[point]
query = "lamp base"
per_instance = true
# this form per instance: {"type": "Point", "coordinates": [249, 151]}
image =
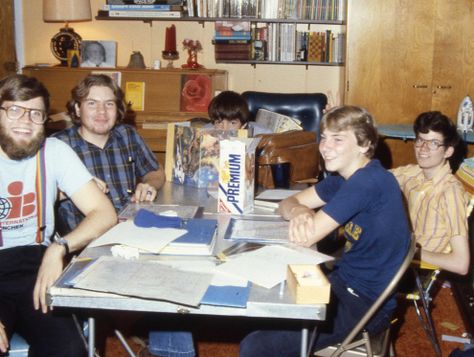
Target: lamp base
{"type": "Point", "coordinates": [66, 39]}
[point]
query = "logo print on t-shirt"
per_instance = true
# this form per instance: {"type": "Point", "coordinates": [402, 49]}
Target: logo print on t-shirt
{"type": "Point", "coordinates": [17, 205]}
{"type": "Point", "coordinates": [5, 207]}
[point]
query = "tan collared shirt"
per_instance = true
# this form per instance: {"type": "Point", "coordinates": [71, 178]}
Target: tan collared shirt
{"type": "Point", "coordinates": [437, 206]}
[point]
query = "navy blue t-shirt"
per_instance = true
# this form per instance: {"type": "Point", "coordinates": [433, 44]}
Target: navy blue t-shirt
{"type": "Point", "coordinates": [369, 205]}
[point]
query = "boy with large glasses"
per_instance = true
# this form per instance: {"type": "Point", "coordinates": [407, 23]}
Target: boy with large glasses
{"type": "Point", "coordinates": [437, 201]}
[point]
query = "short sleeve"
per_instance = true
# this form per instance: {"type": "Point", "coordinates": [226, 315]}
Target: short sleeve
{"type": "Point", "coordinates": [351, 198]}
{"type": "Point", "coordinates": [69, 171]}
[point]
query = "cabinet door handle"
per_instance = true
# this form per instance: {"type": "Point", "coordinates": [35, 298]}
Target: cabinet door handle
{"type": "Point", "coordinates": [444, 87]}
{"type": "Point", "coordinates": [420, 86]}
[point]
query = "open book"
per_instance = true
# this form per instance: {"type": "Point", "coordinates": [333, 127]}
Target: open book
{"type": "Point", "coordinates": [277, 122]}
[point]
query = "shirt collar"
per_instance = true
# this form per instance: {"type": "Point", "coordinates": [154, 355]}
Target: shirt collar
{"type": "Point", "coordinates": [78, 140]}
{"type": "Point", "coordinates": [442, 172]}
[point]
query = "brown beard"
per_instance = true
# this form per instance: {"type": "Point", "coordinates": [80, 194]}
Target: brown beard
{"type": "Point", "coordinates": [16, 151]}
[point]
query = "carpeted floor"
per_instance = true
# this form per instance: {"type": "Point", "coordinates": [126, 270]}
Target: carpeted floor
{"type": "Point", "coordinates": [219, 337]}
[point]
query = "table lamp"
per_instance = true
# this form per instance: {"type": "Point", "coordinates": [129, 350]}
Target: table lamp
{"type": "Point", "coordinates": [66, 11]}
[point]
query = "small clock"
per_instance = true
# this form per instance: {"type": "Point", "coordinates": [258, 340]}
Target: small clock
{"type": "Point", "coordinates": [66, 39]}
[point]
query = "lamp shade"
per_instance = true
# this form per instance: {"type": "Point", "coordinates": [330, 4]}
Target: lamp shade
{"type": "Point", "coordinates": [66, 10]}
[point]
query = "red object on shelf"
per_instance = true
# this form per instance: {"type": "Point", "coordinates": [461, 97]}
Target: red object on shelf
{"type": "Point", "coordinates": [170, 39]}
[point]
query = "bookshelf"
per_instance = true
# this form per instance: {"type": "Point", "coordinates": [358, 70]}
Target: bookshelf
{"type": "Point", "coordinates": [283, 43]}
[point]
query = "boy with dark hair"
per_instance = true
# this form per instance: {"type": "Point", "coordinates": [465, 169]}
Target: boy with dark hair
{"type": "Point", "coordinates": [437, 201]}
{"type": "Point", "coordinates": [229, 111]}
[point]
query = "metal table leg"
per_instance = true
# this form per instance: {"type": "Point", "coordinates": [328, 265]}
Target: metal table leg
{"type": "Point", "coordinates": [91, 337]}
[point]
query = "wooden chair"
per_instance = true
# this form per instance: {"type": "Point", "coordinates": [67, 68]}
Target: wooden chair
{"type": "Point", "coordinates": [372, 346]}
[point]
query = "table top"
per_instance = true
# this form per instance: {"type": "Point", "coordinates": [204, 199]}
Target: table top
{"type": "Point", "coordinates": [405, 132]}
{"type": "Point", "coordinates": [270, 303]}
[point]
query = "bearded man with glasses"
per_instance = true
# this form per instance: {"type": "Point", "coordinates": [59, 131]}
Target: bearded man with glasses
{"type": "Point", "coordinates": [32, 170]}
{"type": "Point", "coordinates": [437, 201]}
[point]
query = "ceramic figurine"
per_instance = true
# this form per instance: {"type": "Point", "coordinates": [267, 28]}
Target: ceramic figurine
{"type": "Point", "coordinates": [465, 115]}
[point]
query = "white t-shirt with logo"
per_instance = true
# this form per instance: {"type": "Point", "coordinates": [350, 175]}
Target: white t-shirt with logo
{"type": "Point", "coordinates": [18, 211]}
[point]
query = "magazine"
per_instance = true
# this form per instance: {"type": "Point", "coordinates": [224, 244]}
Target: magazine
{"type": "Point", "coordinates": [277, 122]}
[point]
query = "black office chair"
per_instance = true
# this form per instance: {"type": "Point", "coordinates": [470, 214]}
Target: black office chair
{"type": "Point", "coordinates": [306, 107]}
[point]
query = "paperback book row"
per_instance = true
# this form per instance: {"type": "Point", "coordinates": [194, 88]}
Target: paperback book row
{"type": "Point", "coordinates": [318, 10]}
{"type": "Point", "coordinates": [235, 41]}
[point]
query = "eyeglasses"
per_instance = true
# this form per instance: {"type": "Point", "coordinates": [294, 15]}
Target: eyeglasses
{"type": "Point", "coordinates": [430, 144]}
{"type": "Point", "coordinates": [16, 112]}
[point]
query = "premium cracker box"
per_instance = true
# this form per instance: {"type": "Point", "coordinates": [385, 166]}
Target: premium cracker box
{"type": "Point", "coordinates": [236, 175]}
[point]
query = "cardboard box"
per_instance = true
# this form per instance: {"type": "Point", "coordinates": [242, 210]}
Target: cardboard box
{"type": "Point", "coordinates": [192, 153]}
{"type": "Point", "coordinates": [236, 175]}
{"type": "Point", "coordinates": [308, 284]}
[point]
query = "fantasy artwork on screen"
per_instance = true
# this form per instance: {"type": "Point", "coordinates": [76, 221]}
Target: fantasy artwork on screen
{"type": "Point", "coordinates": [196, 93]}
{"type": "Point", "coordinates": [195, 154]}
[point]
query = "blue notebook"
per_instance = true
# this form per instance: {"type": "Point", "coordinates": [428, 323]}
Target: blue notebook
{"type": "Point", "coordinates": [234, 296]}
{"type": "Point", "coordinates": [199, 240]}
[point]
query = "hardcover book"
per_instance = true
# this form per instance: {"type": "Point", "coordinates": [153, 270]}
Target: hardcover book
{"type": "Point", "coordinates": [148, 13]}
{"type": "Point", "coordinates": [232, 47]}
{"type": "Point", "coordinates": [219, 56]}
{"type": "Point", "coordinates": [144, 2]}
{"type": "Point", "coordinates": [199, 240]}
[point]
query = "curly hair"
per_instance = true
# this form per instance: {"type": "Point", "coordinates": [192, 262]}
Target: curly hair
{"type": "Point", "coordinates": [80, 92]}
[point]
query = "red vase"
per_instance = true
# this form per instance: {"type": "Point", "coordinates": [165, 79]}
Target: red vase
{"type": "Point", "coordinates": [192, 60]}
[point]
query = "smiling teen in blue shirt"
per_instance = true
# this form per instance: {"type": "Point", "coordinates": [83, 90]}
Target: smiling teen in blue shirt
{"type": "Point", "coordinates": [365, 199]}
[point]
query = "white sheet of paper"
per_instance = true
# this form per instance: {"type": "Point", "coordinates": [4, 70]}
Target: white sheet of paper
{"type": "Point", "coordinates": [276, 194]}
{"type": "Point", "coordinates": [144, 278]}
{"type": "Point", "coordinates": [148, 239]}
{"type": "Point", "coordinates": [267, 266]}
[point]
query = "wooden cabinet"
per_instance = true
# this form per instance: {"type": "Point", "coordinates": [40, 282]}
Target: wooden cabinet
{"type": "Point", "coordinates": [165, 96]}
{"type": "Point", "coordinates": [406, 57]}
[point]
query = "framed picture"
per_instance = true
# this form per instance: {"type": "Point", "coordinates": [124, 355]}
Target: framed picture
{"type": "Point", "coordinates": [195, 93]}
{"type": "Point", "coordinates": [98, 54]}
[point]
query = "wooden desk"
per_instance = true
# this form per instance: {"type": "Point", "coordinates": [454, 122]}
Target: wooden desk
{"type": "Point", "coordinates": [268, 303]}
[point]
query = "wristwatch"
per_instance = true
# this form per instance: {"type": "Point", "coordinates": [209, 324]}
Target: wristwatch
{"type": "Point", "coordinates": [62, 241]}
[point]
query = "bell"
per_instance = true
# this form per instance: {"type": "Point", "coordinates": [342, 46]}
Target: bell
{"type": "Point", "coordinates": [136, 60]}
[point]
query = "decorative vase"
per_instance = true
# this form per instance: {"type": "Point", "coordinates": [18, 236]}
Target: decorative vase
{"type": "Point", "coordinates": [192, 61]}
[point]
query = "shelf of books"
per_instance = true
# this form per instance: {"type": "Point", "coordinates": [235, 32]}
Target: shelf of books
{"type": "Point", "coordinates": [323, 11]}
{"type": "Point", "coordinates": [238, 41]}
{"type": "Point", "coordinates": [252, 31]}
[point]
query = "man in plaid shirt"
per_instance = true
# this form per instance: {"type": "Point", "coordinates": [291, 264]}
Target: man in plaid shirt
{"type": "Point", "coordinates": [122, 165]}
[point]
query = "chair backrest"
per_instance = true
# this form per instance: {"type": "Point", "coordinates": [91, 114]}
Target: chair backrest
{"type": "Point", "coordinates": [307, 107]}
{"type": "Point", "coordinates": [381, 299]}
